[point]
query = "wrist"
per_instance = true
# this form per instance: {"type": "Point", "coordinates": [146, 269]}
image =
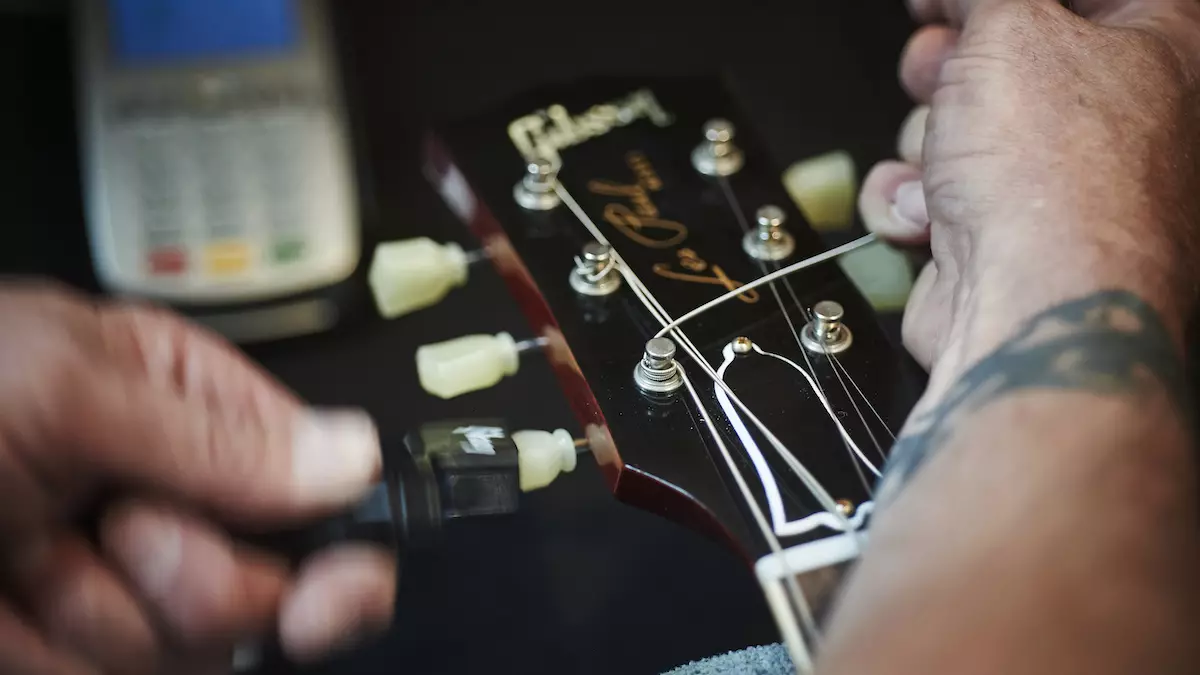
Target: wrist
{"type": "Point", "coordinates": [1066, 330]}
{"type": "Point", "coordinates": [1106, 346]}
{"type": "Point", "coordinates": [1013, 283]}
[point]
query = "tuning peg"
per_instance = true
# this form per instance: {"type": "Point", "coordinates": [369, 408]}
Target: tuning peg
{"type": "Point", "coordinates": [542, 455]}
{"type": "Point", "coordinates": [770, 241]}
{"type": "Point", "coordinates": [412, 274]}
{"type": "Point", "coordinates": [718, 155]}
{"type": "Point", "coordinates": [469, 363]}
{"type": "Point", "coordinates": [535, 191]}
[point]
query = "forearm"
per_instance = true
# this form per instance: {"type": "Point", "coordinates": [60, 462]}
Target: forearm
{"type": "Point", "coordinates": [1040, 514]}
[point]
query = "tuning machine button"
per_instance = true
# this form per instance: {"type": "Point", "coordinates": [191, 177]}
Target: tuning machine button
{"type": "Point", "coordinates": [470, 363]}
{"type": "Point", "coordinates": [535, 191]}
{"type": "Point", "coordinates": [542, 455]}
{"type": "Point", "coordinates": [769, 241]}
{"type": "Point", "coordinates": [595, 271]}
{"type": "Point", "coordinates": [826, 334]}
{"type": "Point", "coordinates": [657, 372]}
{"type": "Point", "coordinates": [717, 155]}
{"type": "Point", "coordinates": [412, 274]}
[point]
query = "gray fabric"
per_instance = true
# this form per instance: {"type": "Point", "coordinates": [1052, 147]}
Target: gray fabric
{"type": "Point", "coordinates": [764, 660]}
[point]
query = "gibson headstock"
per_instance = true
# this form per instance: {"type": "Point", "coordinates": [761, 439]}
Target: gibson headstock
{"type": "Point", "coordinates": [611, 204]}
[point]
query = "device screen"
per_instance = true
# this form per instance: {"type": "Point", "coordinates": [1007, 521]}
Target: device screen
{"type": "Point", "coordinates": [152, 31]}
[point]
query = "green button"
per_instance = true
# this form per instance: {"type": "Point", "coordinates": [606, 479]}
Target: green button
{"type": "Point", "coordinates": [288, 251]}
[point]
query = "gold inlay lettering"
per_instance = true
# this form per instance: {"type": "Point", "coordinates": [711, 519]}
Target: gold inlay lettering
{"type": "Point", "coordinates": [637, 218]}
{"type": "Point", "coordinates": [716, 276]}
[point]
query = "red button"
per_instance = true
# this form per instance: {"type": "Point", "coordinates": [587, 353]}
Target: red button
{"type": "Point", "coordinates": [167, 261]}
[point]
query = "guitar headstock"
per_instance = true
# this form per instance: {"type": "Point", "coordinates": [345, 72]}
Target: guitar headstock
{"type": "Point", "coordinates": [613, 206]}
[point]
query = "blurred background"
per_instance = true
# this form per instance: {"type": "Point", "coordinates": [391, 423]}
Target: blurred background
{"type": "Point", "coordinates": [575, 582]}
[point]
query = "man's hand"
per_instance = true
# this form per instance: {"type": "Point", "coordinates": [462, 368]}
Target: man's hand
{"type": "Point", "coordinates": [95, 399]}
{"type": "Point", "coordinates": [1038, 513]}
{"type": "Point", "coordinates": [1056, 156]}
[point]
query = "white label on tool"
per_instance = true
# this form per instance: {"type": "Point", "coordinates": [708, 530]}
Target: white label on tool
{"type": "Point", "coordinates": [478, 440]}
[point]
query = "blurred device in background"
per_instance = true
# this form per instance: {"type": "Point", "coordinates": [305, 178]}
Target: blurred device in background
{"type": "Point", "coordinates": [218, 173]}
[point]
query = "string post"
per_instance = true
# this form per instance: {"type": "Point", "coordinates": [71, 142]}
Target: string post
{"type": "Point", "coordinates": [717, 155]}
{"type": "Point", "coordinates": [845, 507]}
{"type": "Point", "coordinates": [594, 272]}
{"type": "Point", "coordinates": [658, 372]}
{"type": "Point", "coordinates": [826, 334]}
{"type": "Point", "coordinates": [535, 191]}
{"type": "Point", "coordinates": [770, 240]}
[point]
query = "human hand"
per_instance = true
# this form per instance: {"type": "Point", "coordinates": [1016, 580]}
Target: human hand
{"type": "Point", "coordinates": [99, 398]}
{"type": "Point", "coordinates": [1055, 157]}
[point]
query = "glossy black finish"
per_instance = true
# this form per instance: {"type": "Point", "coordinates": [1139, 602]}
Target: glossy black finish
{"type": "Point", "coordinates": [665, 459]}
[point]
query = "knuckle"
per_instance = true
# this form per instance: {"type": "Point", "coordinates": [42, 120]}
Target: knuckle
{"type": "Point", "coordinates": [68, 608]}
{"type": "Point", "coordinates": [1017, 22]}
{"type": "Point", "coordinates": [62, 389]}
{"type": "Point", "coordinates": [142, 337]}
{"type": "Point", "coordinates": [229, 449]}
{"type": "Point", "coordinates": [1163, 60]}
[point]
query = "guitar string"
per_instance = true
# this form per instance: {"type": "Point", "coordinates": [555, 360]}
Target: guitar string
{"type": "Point", "coordinates": [810, 481]}
{"type": "Point", "coordinates": [781, 272]}
{"type": "Point", "coordinates": [801, 607]}
{"type": "Point", "coordinates": [794, 267]}
{"type": "Point", "coordinates": [828, 407]}
{"type": "Point", "coordinates": [798, 604]}
{"type": "Point", "coordinates": [731, 196]}
{"type": "Point", "coordinates": [808, 317]}
{"type": "Point", "coordinates": [838, 363]}
{"type": "Point", "coordinates": [796, 597]}
{"type": "Point", "coordinates": [736, 207]}
{"type": "Point", "coordinates": [862, 418]}
{"type": "Point", "coordinates": [814, 486]}
{"type": "Point", "coordinates": [783, 527]}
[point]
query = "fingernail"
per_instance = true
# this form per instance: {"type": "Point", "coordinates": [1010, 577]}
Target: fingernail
{"type": "Point", "coordinates": [312, 632]}
{"type": "Point", "coordinates": [335, 455]}
{"type": "Point", "coordinates": [908, 207]}
{"type": "Point", "coordinates": [155, 552]}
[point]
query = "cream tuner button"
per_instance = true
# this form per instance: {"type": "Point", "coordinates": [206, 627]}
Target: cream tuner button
{"type": "Point", "coordinates": [470, 363]}
{"type": "Point", "coordinates": [542, 455]}
{"type": "Point", "coordinates": [415, 273]}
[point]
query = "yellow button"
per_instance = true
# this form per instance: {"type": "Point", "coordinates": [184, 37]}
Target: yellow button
{"type": "Point", "coordinates": [227, 257]}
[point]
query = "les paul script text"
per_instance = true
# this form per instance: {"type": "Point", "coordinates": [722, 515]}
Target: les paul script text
{"type": "Point", "coordinates": [635, 215]}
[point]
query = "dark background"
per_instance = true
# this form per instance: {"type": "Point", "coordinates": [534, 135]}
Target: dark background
{"type": "Point", "coordinates": [576, 582]}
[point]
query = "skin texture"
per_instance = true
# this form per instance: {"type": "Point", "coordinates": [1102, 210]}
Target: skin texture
{"type": "Point", "coordinates": [1039, 511]}
{"type": "Point", "coordinates": [184, 437]}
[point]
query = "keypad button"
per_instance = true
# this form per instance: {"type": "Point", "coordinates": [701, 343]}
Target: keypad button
{"type": "Point", "coordinates": [156, 238]}
{"type": "Point", "coordinates": [167, 261]}
{"type": "Point", "coordinates": [227, 258]}
{"type": "Point", "coordinates": [287, 251]}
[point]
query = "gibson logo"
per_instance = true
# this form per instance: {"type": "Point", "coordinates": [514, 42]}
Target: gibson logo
{"type": "Point", "coordinates": [545, 132]}
{"type": "Point", "coordinates": [639, 220]}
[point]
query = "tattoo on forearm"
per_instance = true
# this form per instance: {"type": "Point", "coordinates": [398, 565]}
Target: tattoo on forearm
{"type": "Point", "coordinates": [1107, 343]}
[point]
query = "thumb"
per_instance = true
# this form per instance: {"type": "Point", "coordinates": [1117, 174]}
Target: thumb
{"type": "Point", "coordinates": [178, 410]}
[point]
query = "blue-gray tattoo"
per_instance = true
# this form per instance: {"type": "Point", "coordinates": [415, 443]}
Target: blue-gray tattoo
{"type": "Point", "coordinates": [1108, 343]}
